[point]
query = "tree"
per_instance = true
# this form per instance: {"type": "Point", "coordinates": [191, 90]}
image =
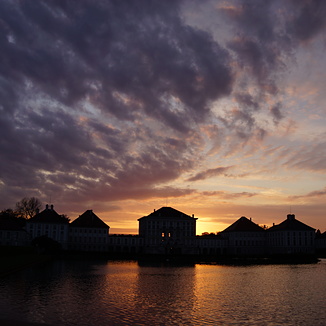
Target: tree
{"type": "Point", "coordinates": [8, 213]}
{"type": "Point", "coordinates": [28, 207]}
{"type": "Point", "coordinates": [66, 217]}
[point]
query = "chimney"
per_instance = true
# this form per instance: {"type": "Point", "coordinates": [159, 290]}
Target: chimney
{"type": "Point", "coordinates": [46, 206]}
{"type": "Point", "coordinates": [51, 207]}
{"type": "Point", "coordinates": [291, 217]}
{"type": "Point", "coordinates": [193, 215]}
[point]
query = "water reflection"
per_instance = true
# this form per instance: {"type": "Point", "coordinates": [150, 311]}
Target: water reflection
{"type": "Point", "coordinates": [166, 292]}
{"type": "Point", "coordinates": [127, 293]}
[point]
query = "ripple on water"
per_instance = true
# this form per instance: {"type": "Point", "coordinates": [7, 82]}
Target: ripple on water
{"type": "Point", "coordinates": [124, 293]}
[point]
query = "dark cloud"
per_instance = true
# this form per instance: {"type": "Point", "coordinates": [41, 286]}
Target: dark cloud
{"type": "Point", "coordinates": [308, 20]}
{"type": "Point", "coordinates": [265, 40]}
{"type": "Point", "coordinates": [100, 99]}
{"type": "Point", "coordinates": [316, 193]}
{"type": "Point", "coordinates": [276, 112]}
{"type": "Point", "coordinates": [258, 44]}
{"type": "Point", "coordinates": [210, 173]}
{"type": "Point", "coordinates": [267, 32]}
{"type": "Point", "coordinates": [115, 54]}
{"type": "Point", "coordinates": [310, 157]}
{"type": "Point", "coordinates": [227, 195]}
{"type": "Point", "coordinates": [105, 100]}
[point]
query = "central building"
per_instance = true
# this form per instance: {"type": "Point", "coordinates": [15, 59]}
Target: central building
{"type": "Point", "coordinates": [168, 231]}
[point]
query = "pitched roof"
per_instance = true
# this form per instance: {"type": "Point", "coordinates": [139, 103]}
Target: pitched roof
{"type": "Point", "coordinates": [243, 224]}
{"type": "Point", "coordinates": [89, 220]}
{"type": "Point", "coordinates": [49, 215]}
{"type": "Point", "coordinates": [167, 213]}
{"type": "Point", "coordinates": [291, 224]}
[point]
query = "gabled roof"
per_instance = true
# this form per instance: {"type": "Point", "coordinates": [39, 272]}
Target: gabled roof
{"type": "Point", "coordinates": [89, 220]}
{"type": "Point", "coordinates": [291, 224]}
{"type": "Point", "coordinates": [49, 215]}
{"type": "Point", "coordinates": [167, 213]}
{"type": "Point", "coordinates": [243, 224]}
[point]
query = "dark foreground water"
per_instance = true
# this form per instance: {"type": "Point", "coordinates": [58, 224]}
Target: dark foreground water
{"type": "Point", "coordinates": [126, 293]}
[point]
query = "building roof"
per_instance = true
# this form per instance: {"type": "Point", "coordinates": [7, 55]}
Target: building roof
{"type": "Point", "coordinates": [49, 215]}
{"type": "Point", "coordinates": [9, 223]}
{"type": "Point", "coordinates": [291, 223]}
{"type": "Point", "coordinates": [89, 220]}
{"type": "Point", "coordinates": [168, 213]}
{"type": "Point", "coordinates": [243, 224]}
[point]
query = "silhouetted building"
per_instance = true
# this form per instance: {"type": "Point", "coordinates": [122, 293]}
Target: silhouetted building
{"type": "Point", "coordinates": [50, 224]}
{"type": "Point", "coordinates": [168, 230]}
{"type": "Point", "coordinates": [320, 243]}
{"type": "Point", "coordinates": [12, 232]}
{"type": "Point", "coordinates": [125, 244]}
{"type": "Point", "coordinates": [245, 238]}
{"type": "Point", "coordinates": [291, 237]}
{"type": "Point", "coordinates": [88, 233]}
{"type": "Point", "coordinates": [211, 244]}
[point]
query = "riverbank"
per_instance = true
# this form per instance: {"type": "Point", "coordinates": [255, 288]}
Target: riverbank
{"type": "Point", "coordinates": [14, 259]}
{"type": "Point", "coordinates": [6, 322]}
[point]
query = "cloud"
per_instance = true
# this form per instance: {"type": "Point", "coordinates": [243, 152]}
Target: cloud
{"type": "Point", "coordinates": [314, 194]}
{"type": "Point", "coordinates": [210, 173]}
{"type": "Point", "coordinates": [308, 20]}
{"type": "Point", "coordinates": [104, 101]}
{"type": "Point", "coordinates": [114, 55]}
{"type": "Point", "coordinates": [227, 195]}
{"type": "Point", "coordinates": [310, 156]}
{"type": "Point", "coordinates": [98, 97]}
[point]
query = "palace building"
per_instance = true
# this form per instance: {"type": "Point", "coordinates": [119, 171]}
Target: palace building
{"type": "Point", "coordinates": [167, 231]}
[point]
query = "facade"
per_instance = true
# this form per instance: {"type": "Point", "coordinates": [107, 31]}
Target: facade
{"type": "Point", "coordinates": [244, 238]}
{"type": "Point", "coordinates": [88, 233]}
{"type": "Point", "coordinates": [321, 243]}
{"type": "Point", "coordinates": [125, 244]}
{"type": "Point", "coordinates": [50, 224]}
{"type": "Point", "coordinates": [12, 232]}
{"type": "Point", "coordinates": [211, 244]}
{"type": "Point", "coordinates": [168, 230]}
{"type": "Point", "coordinates": [291, 237]}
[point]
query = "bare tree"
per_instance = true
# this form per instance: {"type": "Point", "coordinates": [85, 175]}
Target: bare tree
{"type": "Point", "coordinates": [28, 207]}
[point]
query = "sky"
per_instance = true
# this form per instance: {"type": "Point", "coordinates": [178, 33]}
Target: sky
{"type": "Point", "coordinates": [215, 108]}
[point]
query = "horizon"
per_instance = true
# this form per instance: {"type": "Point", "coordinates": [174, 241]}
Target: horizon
{"type": "Point", "coordinates": [216, 108]}
{"type": "Point", "coordinates": [134, 231]}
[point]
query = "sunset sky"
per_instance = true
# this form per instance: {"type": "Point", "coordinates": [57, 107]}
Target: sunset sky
{"type": "Point", "coordinates": [216, 108]}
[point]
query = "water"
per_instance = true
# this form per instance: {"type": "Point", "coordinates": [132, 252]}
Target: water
{"type": "Point", "coordinates": [126, 293]}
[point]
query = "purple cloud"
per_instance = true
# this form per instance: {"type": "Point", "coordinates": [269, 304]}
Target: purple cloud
{"type": "Point", "coordinates": [210, 173]}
